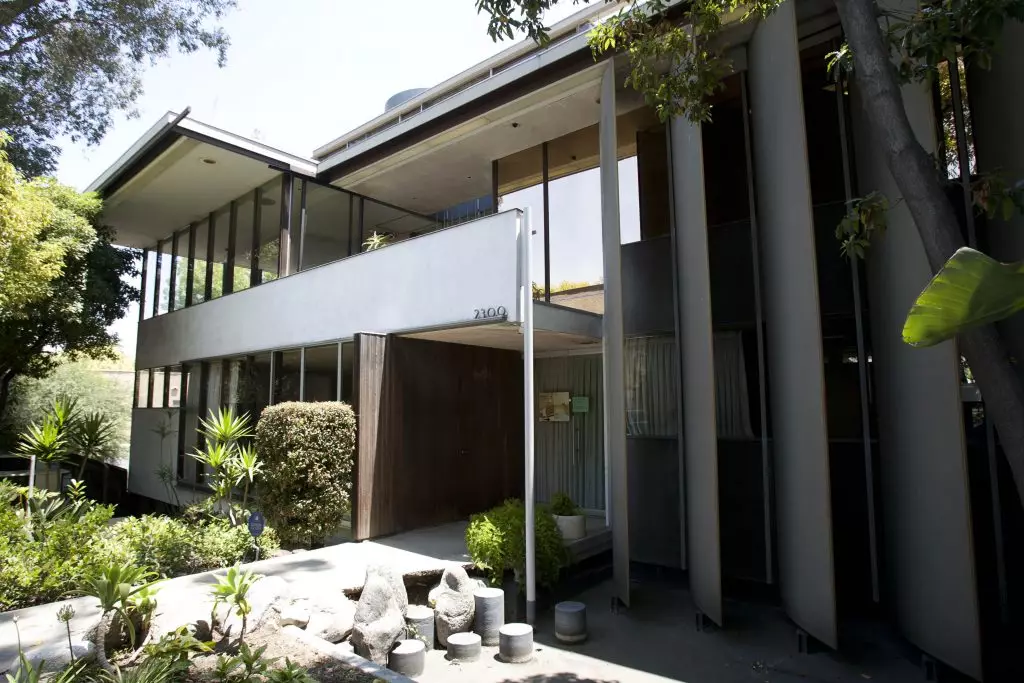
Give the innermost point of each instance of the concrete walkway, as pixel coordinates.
(335, 568)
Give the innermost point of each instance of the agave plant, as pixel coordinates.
(232, 590)
(44, 442)
(118, 589)
(376, 241)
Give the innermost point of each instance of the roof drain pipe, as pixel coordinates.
(526, 256)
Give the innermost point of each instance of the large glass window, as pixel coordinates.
(348, 386)
(221, 230)
(157, 395)
(651, 372)
(163, 271)
(142, 389)
(287, 375)
(202, 242)
(179, 269)
(321, 383)
(174, 388)
(577, 267)
(327, 234)
(246, 385)
(149, 293)
(245, 216)
(397, 225)
(269, 230)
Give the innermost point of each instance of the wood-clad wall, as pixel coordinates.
(440, 432)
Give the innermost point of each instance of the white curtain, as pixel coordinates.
(651, 380)
(732, 407)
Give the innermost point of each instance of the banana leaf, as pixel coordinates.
(971, 289)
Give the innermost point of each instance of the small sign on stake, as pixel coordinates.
(256, 524)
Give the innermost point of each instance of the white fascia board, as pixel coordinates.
(292, 162)
(478, 91)
(161, 127)
(498, 61)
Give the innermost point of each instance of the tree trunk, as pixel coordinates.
(918, 180)
(81, 467)
(99, 640)
(5, 390)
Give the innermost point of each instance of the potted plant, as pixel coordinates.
(569, 517)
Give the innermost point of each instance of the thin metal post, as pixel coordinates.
(494, 186)
(862, 360)
(755, 249)
(172, 289)
(156, 278)
(547, 223)
(228, 284)
(302, 373)
(526, 296)
(285, 240)
(302, 227)
(255, 275)
(190, 270)
(211, 247)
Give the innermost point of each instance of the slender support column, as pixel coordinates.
(171, 298)
(526, 297)
(142, 289)
(792, 311)
(616, 489)
(547, 222)
(697, 366)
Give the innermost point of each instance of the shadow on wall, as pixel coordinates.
(565, 677)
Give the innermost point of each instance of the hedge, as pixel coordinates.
(307, 453)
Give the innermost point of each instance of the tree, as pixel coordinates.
(65, 67)
(73, 304)
(677, 63)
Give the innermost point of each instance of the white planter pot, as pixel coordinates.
(573, 527)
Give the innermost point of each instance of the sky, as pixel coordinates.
(304, 72)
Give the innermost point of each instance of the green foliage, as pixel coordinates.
(307, 449)
(92, 438)
(563, 506)
(290, 673)
(65, 68)
(178, 546)
(971, 289)
(230, 463)
(26, 673)
(52, 558)
(496, 541)
(248, 666)
(865, 218)
(376, 241)
(44, 442)
(150, 670)
(232, 589)
(115, 586)
(178, 645)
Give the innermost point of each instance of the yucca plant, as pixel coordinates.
(117, 587)
(249, 467)
(151, 670)
(232, 589)
(225, 427)
(376, 241)
(92, 436)
(45, 442)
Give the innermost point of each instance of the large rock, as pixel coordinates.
(378, 620)
(264, 593)
(394, 580)
(455, 605)
(331, 617)
(56, 655)
(296, 614)
(436, 590)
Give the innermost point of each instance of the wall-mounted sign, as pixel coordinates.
(581, 404)
(554, 406)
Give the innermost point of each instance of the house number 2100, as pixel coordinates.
(484, 313)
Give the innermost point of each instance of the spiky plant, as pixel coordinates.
(116, 587)
(92, 436)
(232, 589)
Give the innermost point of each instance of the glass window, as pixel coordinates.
(179, 269)
(219, 252)
(269, 230)
(395, 224)
(246, 385)
(348, 385)
(286, 375)
(142, 389)
(174, 388)
(327, 234)
(651, 386)
(202, 245)
(157, 395)
(532, 198)
(163, 270)
(577, 268)
(321, 383)
(245, 216)
(629, 204)
(295, 225)
(150, 284)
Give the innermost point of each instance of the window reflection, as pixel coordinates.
(327, 234)
(287, 375)
(321, 383)
(269, 220)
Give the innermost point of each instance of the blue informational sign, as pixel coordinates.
(256, 524)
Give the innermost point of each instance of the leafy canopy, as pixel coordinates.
(65, 67)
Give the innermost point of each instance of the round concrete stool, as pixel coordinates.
(420, 622)
(515, 643)
(571, 622)
(463, 647)
(490, 614)
(408, 657)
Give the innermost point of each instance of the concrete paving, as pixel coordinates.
(337, 568)
(656, 640)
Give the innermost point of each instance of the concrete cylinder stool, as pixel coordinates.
(489, 615)
(420, 622)
(408, 657)
(571, 622)
(515, 643)
(463, 647)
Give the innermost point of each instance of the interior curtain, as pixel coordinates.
(732, 402)
(651, 386)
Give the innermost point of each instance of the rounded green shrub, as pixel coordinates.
(496, 541)
(563, 506)
(307, 452)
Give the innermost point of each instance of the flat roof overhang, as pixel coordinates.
(166, 180)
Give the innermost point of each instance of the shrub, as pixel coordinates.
(496, 541)
(307, 451)
(174, 547)
(563, 506)
(54, 561)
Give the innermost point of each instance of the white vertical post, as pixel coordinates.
(526, 246)
(617, 491)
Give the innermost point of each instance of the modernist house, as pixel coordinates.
(743, 408)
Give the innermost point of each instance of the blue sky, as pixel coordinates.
(302, 73)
